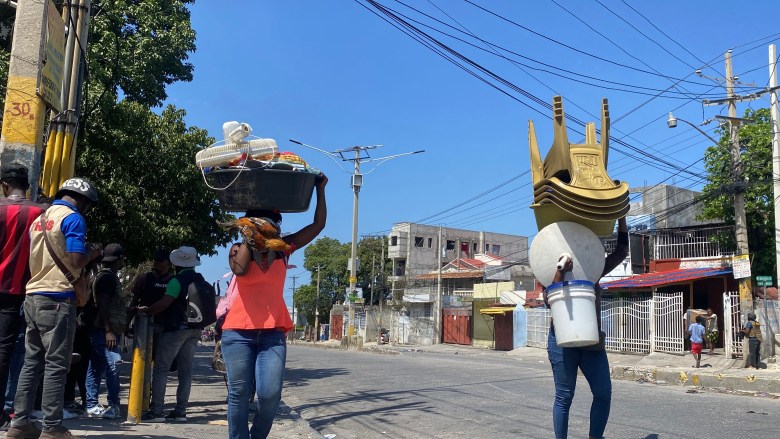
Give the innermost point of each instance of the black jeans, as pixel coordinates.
(51, 326)
(10, 321)
(754, 346)
(78, 371)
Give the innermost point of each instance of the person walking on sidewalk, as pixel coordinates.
(17, 214)
(696, 332)
(591, 360)
(253, 334)
(58, 243)
(176, 342)
(711, 324)
(752, 330)
(105, 329)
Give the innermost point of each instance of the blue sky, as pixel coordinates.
(335, 75)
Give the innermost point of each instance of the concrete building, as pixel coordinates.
(663, 206)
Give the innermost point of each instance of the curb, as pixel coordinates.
(724, 382)
(362, 348)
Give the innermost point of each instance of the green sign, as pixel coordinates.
(764, 281)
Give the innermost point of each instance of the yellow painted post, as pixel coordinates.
(148, 370)
(141, 362)
(47, 161)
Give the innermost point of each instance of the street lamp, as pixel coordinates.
(672, 123)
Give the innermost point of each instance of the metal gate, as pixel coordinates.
(666, 332)
(626, 322)
(537, 327)
(731, 324)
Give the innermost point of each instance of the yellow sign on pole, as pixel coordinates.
(352, 279)
(50, 80)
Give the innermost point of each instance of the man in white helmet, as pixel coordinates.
(58, 255)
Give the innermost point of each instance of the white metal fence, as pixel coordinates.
(537, 327)
(626, 322)
(667, 323)
(731, 324)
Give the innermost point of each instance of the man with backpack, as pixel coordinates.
(105, 315)
(179, 338)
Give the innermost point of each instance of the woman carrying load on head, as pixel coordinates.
(253, 333)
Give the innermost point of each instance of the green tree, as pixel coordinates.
(370, 253)
(141, 160)
(156, 198)
(755, 141)
(332, 256)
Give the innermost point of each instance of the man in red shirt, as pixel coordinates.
(17, 213)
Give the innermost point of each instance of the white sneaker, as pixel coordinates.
(96, 411)
(67, 414)
(111, 412)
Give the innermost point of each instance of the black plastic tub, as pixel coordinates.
(262, 188)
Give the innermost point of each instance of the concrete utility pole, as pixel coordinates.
(294, 316)
(382, 276)
(22, 134)
(740, 221)
(775, 111)
(361, 155)
(317, 308)
(437, 308)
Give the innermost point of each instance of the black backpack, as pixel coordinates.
(201, 303)
(87, 315)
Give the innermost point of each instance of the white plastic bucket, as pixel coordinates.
(573, 307)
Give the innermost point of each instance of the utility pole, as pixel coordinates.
(373, 279)
(775, 112)
(294, 316)
(357, 183)
(22, 134)
(382, 276)
(317, 308)
(740, 221)
(437, 308)
(361, 155)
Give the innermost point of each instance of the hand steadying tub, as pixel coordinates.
(592, 360)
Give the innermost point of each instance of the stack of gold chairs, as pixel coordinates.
(572, 183)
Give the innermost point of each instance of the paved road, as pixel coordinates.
(487, 395)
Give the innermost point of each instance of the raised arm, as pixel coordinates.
(308, 233)
(621, 249)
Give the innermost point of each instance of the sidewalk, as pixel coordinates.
(206, 416)
(717, 372)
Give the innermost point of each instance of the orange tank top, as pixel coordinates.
(259, 300)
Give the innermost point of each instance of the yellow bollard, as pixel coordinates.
(141, 361)
(149, 364)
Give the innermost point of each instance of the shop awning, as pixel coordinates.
(671, 277)
(493, 310)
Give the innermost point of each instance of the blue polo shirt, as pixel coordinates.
(74, 227)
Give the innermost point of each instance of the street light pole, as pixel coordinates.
(357, 183)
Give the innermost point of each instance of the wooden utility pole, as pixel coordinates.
(23, 117)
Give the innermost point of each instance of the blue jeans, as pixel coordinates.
(595, 367)
(253, 355)
(102, 360)
(17, 361)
